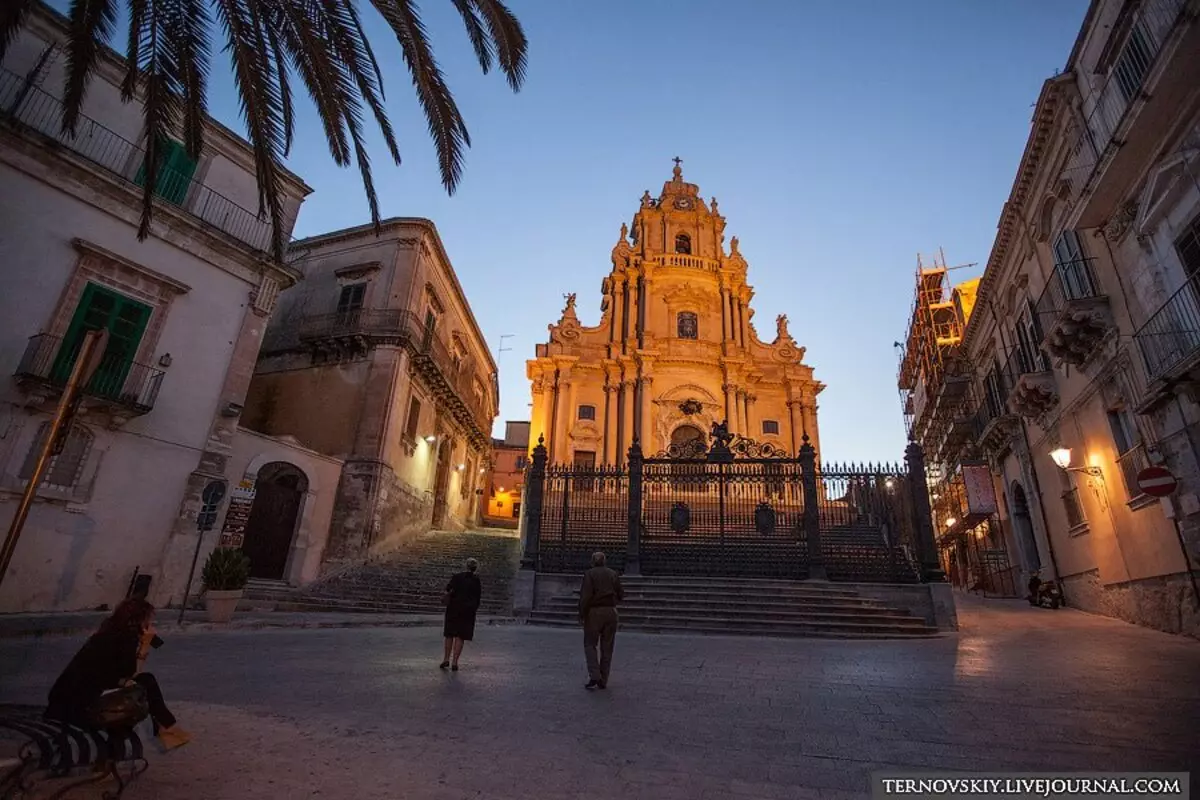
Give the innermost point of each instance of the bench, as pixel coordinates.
(52, 750)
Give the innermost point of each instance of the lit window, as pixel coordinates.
(587, 412)
(770, 426)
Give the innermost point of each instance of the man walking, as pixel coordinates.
(598, 599)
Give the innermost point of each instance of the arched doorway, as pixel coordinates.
(1023, 528)
(687, 442)
(278, 497)
(441, 483)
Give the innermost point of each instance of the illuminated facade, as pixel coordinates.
(675, 350)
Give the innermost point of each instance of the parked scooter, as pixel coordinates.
(1044, 594)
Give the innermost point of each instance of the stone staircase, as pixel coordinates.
(745, 607)
(409, 580)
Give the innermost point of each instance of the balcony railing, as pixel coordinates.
(686, 261)
(1151, 25)
(1171, 337)
(1132, 462)
(31, 108)
(1071, 280)
(119, 381)
(404, 327)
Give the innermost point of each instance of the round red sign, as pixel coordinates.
(1156, 481)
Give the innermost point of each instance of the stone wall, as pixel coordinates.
(374, 513)
(1165, 603)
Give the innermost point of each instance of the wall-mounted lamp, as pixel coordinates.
(950, 522)
(500, 489)
(431, 439)
(889, 483)
(1062, 457)
(164, 360)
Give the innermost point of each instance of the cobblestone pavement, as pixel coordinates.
(365, 713)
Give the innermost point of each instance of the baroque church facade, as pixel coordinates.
(676, 350)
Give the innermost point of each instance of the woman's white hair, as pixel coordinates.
(598, 559)
(472, 565)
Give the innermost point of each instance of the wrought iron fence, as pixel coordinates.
(1152, 23)
(761, 515)
(1172, 335)
(118, 379)
(23, 103)
(1131, 463)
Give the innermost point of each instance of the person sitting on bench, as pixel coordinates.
(111, 658)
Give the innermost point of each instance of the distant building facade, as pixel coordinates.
(509, 460)
(376, 359)
(675, 350)
(185, 309)
(1084, 339)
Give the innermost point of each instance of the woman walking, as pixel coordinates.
(110, 659)
(462, 597)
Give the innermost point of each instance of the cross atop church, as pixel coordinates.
(677, 160)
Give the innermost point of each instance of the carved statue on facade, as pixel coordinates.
(781, 327)
(733, 246)
(713, 205)
(646, 201)
(570, 307)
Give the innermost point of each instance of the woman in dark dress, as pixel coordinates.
(463, 594)
(110, 659)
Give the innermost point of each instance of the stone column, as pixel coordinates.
(743, 325)
(724, 314)
(751, 429)
(610, 431)
(537, 416)
(740, 410)
(646, 430)
(617, 295)
(797, 430)
(730, 407)
(808, 415)
(566, 421)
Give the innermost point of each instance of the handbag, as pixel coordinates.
(119, 708)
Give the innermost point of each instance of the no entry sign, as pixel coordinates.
(1156, 481)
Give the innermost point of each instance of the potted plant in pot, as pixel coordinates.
(225, 574)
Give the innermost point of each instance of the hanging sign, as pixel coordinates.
(981, 492)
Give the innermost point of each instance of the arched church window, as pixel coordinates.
(683, 244)
(688, 326)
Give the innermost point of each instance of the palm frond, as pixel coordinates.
(478, 36)
(301, 28)
(162, 96)
(512, 46)
(89, 24)
(12, 17)
(285, 87)
(133, 50)
(446, 125)
(191, 50)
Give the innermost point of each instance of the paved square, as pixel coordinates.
(366, 713)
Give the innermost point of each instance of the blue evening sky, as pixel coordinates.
(841, 138)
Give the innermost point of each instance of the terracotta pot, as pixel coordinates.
(221, 605)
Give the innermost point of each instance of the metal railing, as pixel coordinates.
(1132, 462)
(459, 371)
(1172, 334)
(1151, 25)
(1023, 361)
(118, 380)
(1071, 280)
(31, 108)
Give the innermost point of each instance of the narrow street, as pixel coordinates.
(365, 713)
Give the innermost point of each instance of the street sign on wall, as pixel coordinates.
(1156, 481)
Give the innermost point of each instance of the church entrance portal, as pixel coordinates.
(278, 497)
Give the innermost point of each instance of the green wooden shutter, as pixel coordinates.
(125, 320)
(175, 172)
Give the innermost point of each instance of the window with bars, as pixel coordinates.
(66, 467)
(1131, 456)
(770, 426)
(1029, 340)
(1133, 63)
(1070, 500)
(587, 412)
(688, 326)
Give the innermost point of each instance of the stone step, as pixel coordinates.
(751, 616)
(721, 625)
(717, 603)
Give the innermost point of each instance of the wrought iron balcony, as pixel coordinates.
(120, 383)
(1149, 27)
(354, 332)
(1170, 339)
(1034, 389)
(26, 107)
(1075, 313)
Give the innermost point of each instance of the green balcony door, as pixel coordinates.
(175, 172)
(125, 320)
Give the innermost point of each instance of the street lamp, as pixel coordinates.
(1062, 457)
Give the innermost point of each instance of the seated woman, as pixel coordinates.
(110, 659)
